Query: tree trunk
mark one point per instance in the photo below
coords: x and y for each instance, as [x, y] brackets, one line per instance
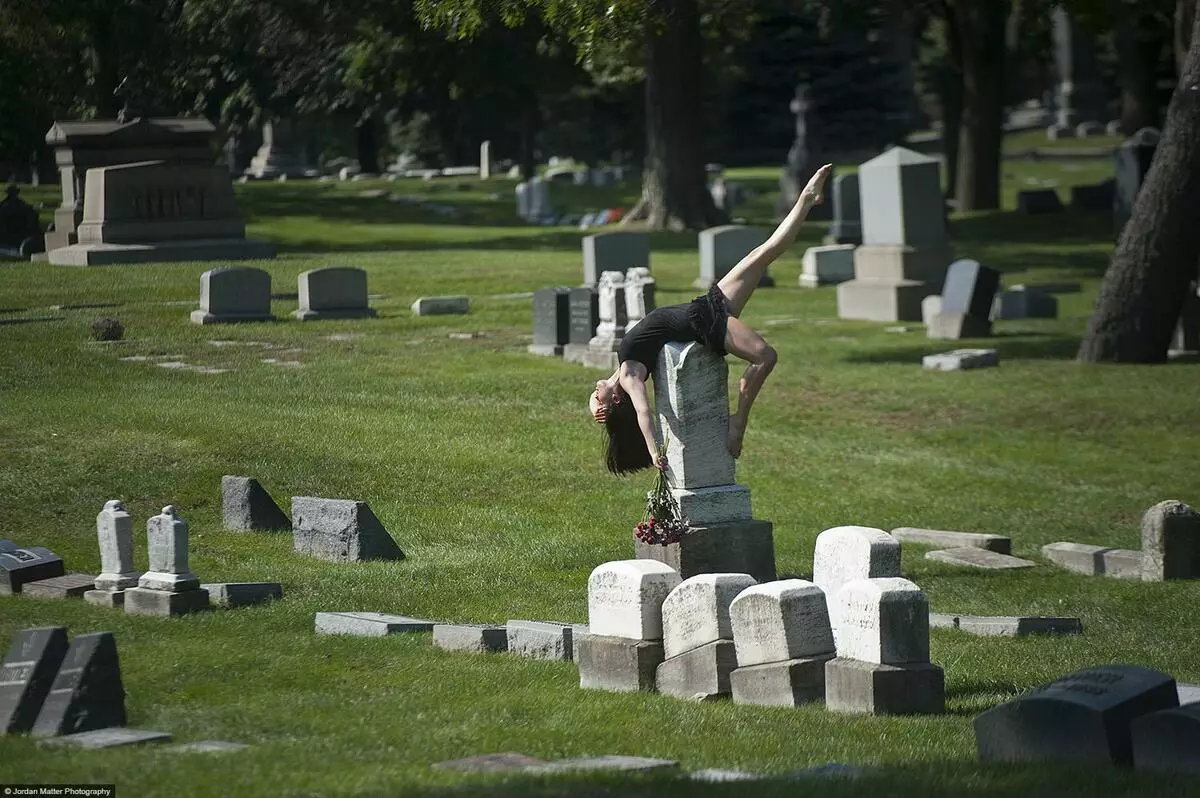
[1139, 93]
[981, 26]
[368, 144]
[952, 99]
[674, 184]
[104, 68]
[528, 134]
[1159, 250]
[1185, 12]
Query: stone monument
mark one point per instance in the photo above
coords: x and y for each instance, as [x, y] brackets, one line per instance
[169, 587]
[691, 396]
[602, 348]
[697, 636]
[905, 248]
[278, 155]
[1079, 95]
[806, 156]
[114, 528]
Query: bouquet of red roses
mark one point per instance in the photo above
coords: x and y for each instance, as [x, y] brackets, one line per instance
[662, 523]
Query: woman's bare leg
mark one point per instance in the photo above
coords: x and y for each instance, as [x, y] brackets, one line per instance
[742, 279]
[747, 344]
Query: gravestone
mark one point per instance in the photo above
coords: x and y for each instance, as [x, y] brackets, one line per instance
[156, 211]
[1089, 560]
[1187, 331]
[1084, 717]
[623, 648]
[441, 305]
[279, 155]
[114, 737]
[640, 288]
[1170, 542]
[952, 539]
[247, 507]
[169, 587]
[87, 692]
[1132, 163]
[20, 230]
[808, 153]
[1167, 741]
[961, 359]
[721, 248]
[615, 251]
[28, 671]
[691, 399]
[783, 639]
[602, 348]
[1032, 202]
[523, 201]
[972, 557]
[475, 638]
[847, 211]
[7, 545]
[1079, 95]
[1024, 302]
[20, 566]
[60, 587]
[340, 530]
[369, 624]
[551, 321]
[905, 247]
[1006, 625]
[232, 294]
[114, 528]
[697, 636]
[1094, 197]
[333, 292]
[539, 200]
[882, 665]
[827, 265]
[844, 554]
[967, 298]
[584, 309]
[242, 594]
[540, 639]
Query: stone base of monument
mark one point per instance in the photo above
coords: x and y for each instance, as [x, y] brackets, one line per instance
[307, 314]
[205, 317]
[546, 350]
[600, 358]
[720, 504]
[740, 547]
[617, 664]
[573, 353]
[700, 673]
[879, 300]
[105, 598]
[866, 687]
[894, 263]
[140, 601]
[162, 252]
[953, 326]
[789, 683]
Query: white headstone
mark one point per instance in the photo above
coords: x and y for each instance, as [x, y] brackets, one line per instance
[696, 612]
[778, 621]
[827, 265]
[691, 390]
[485, 160]
[639, 295]
[523, 201]
[539, 199]
[114, 528]
[884, 621]
[902, 202]
[612, 307]
[846, 553]
[625, 598]
[167, 535]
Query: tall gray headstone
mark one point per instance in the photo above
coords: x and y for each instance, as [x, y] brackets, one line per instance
[905, 248]
[28, 671]
[114, 529]
[967, 299]
[721, 248]
[551, 321]
[232, 294]
[584, 311]
[87, 692]
[615, 251]
[847, 211]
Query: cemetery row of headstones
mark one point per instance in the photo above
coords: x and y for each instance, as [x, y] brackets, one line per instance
[243, 293]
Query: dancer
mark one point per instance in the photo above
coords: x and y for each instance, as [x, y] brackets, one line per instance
[620, 402]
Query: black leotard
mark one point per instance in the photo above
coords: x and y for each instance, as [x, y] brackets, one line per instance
[703, 319]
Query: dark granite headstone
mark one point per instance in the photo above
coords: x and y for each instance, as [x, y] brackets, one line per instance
[1082, 717]
[7, 545]
[1038, 201]
[1131, 164]
[1187, 331]
[847, 211]
[1168, 741]
[18, 222]
[584, 314]
[87, 693]
[26, 676]
[969, 288]
[551, 318]
[19, 566]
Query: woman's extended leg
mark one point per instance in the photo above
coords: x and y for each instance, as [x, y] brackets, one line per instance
[742, 279]
[744, 342]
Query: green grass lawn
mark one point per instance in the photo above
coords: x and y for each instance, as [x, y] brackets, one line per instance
[481, 461]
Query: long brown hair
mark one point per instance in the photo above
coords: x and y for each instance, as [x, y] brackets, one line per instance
[625, 449]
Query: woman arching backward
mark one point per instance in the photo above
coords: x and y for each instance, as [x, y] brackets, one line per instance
[621, 403]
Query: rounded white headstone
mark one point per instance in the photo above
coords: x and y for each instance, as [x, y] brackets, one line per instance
[625, 598]
[696, 612]
[778, 621]
[884, 621]
[846, 553]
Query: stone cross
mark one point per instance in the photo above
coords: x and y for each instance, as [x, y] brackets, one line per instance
[114, 528]
[167, 535]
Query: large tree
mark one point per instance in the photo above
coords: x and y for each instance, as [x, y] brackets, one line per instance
[1159, 251]
[668, 35]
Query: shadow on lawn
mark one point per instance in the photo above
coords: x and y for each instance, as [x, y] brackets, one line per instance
[927, 779]
[1023, 346]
